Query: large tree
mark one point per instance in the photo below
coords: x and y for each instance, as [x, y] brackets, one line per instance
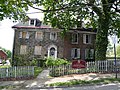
[104, 15]
[15, 9]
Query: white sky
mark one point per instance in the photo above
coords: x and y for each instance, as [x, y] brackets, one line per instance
[7, 33]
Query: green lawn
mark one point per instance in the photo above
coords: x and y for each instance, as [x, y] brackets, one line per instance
[82, 82]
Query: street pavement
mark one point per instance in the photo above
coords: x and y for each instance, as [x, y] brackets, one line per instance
[112, 86]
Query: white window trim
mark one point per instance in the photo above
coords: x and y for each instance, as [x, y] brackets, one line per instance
[36, 52]
[73, 37]
[73, 53]
[36, 37]
[34, 22]
[84, 38]
[51, 37]
[52, 46]
[92, 52]
[27, 35]
[21, 34]
[22, 52]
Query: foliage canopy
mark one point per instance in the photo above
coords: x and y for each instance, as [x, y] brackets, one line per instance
[101, 14]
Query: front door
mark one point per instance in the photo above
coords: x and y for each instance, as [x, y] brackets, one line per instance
[52, 51]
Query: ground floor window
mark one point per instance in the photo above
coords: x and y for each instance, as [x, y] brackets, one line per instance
[23, 49]
[75, 53]
[37, 50]
[89, 53]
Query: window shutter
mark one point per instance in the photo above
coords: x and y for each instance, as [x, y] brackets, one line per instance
[86, 53]
[41, 37]
[27, 35]
[20, 35]
[84, 38]
[72, 52]
[36, 35]
[90, 38]
[92, 54]
[78, 53]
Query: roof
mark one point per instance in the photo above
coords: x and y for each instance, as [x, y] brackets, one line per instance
[26, 24]
[30, 27]
[85, 29]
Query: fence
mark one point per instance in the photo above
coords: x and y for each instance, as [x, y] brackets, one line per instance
[17, 72]
[107, 66]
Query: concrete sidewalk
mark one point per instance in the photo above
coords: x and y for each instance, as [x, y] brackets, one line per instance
[43, 79]
[38, 82]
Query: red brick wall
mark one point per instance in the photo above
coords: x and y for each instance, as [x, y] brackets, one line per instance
[3, 55]
[68, 45]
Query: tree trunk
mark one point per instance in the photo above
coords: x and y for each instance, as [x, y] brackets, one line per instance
[102, 38]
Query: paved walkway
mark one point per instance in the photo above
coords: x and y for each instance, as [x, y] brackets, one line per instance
[38, 82]
[43, 78]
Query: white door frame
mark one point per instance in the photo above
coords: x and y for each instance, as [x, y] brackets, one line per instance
[52, 46]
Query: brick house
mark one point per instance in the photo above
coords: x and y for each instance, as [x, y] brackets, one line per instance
[38, 40]
[3, 55]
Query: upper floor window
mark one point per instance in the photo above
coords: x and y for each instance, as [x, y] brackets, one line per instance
[86, 38]
[75, 38]
[24, 35]
[39, 35]
[75, 53]
[89, 53]
[23, 49]
[53, 36]
[32, 22]
[37, 50]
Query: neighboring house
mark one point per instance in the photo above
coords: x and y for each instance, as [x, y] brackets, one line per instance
[37, 40]
[3, 55]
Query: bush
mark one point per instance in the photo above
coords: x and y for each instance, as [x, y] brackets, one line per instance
[55, 62]
[3, 62]
[33, 62]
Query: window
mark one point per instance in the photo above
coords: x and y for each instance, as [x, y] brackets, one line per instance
[86, 38]
[37, 50]
[89, 53]
[39, 35]
[74, 38]
[24, 35]
[32, 22]
[23, 49]
[75, 53]
[53, 36]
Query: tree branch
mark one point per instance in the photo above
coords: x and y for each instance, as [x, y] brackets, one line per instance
[97, 10]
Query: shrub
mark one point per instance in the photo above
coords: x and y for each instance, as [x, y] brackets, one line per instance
[55, 62]
[33, 62]
[3, 62]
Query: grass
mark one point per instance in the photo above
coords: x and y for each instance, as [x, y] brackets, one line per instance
[82, 82]
[37, 70]
[7, 87]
